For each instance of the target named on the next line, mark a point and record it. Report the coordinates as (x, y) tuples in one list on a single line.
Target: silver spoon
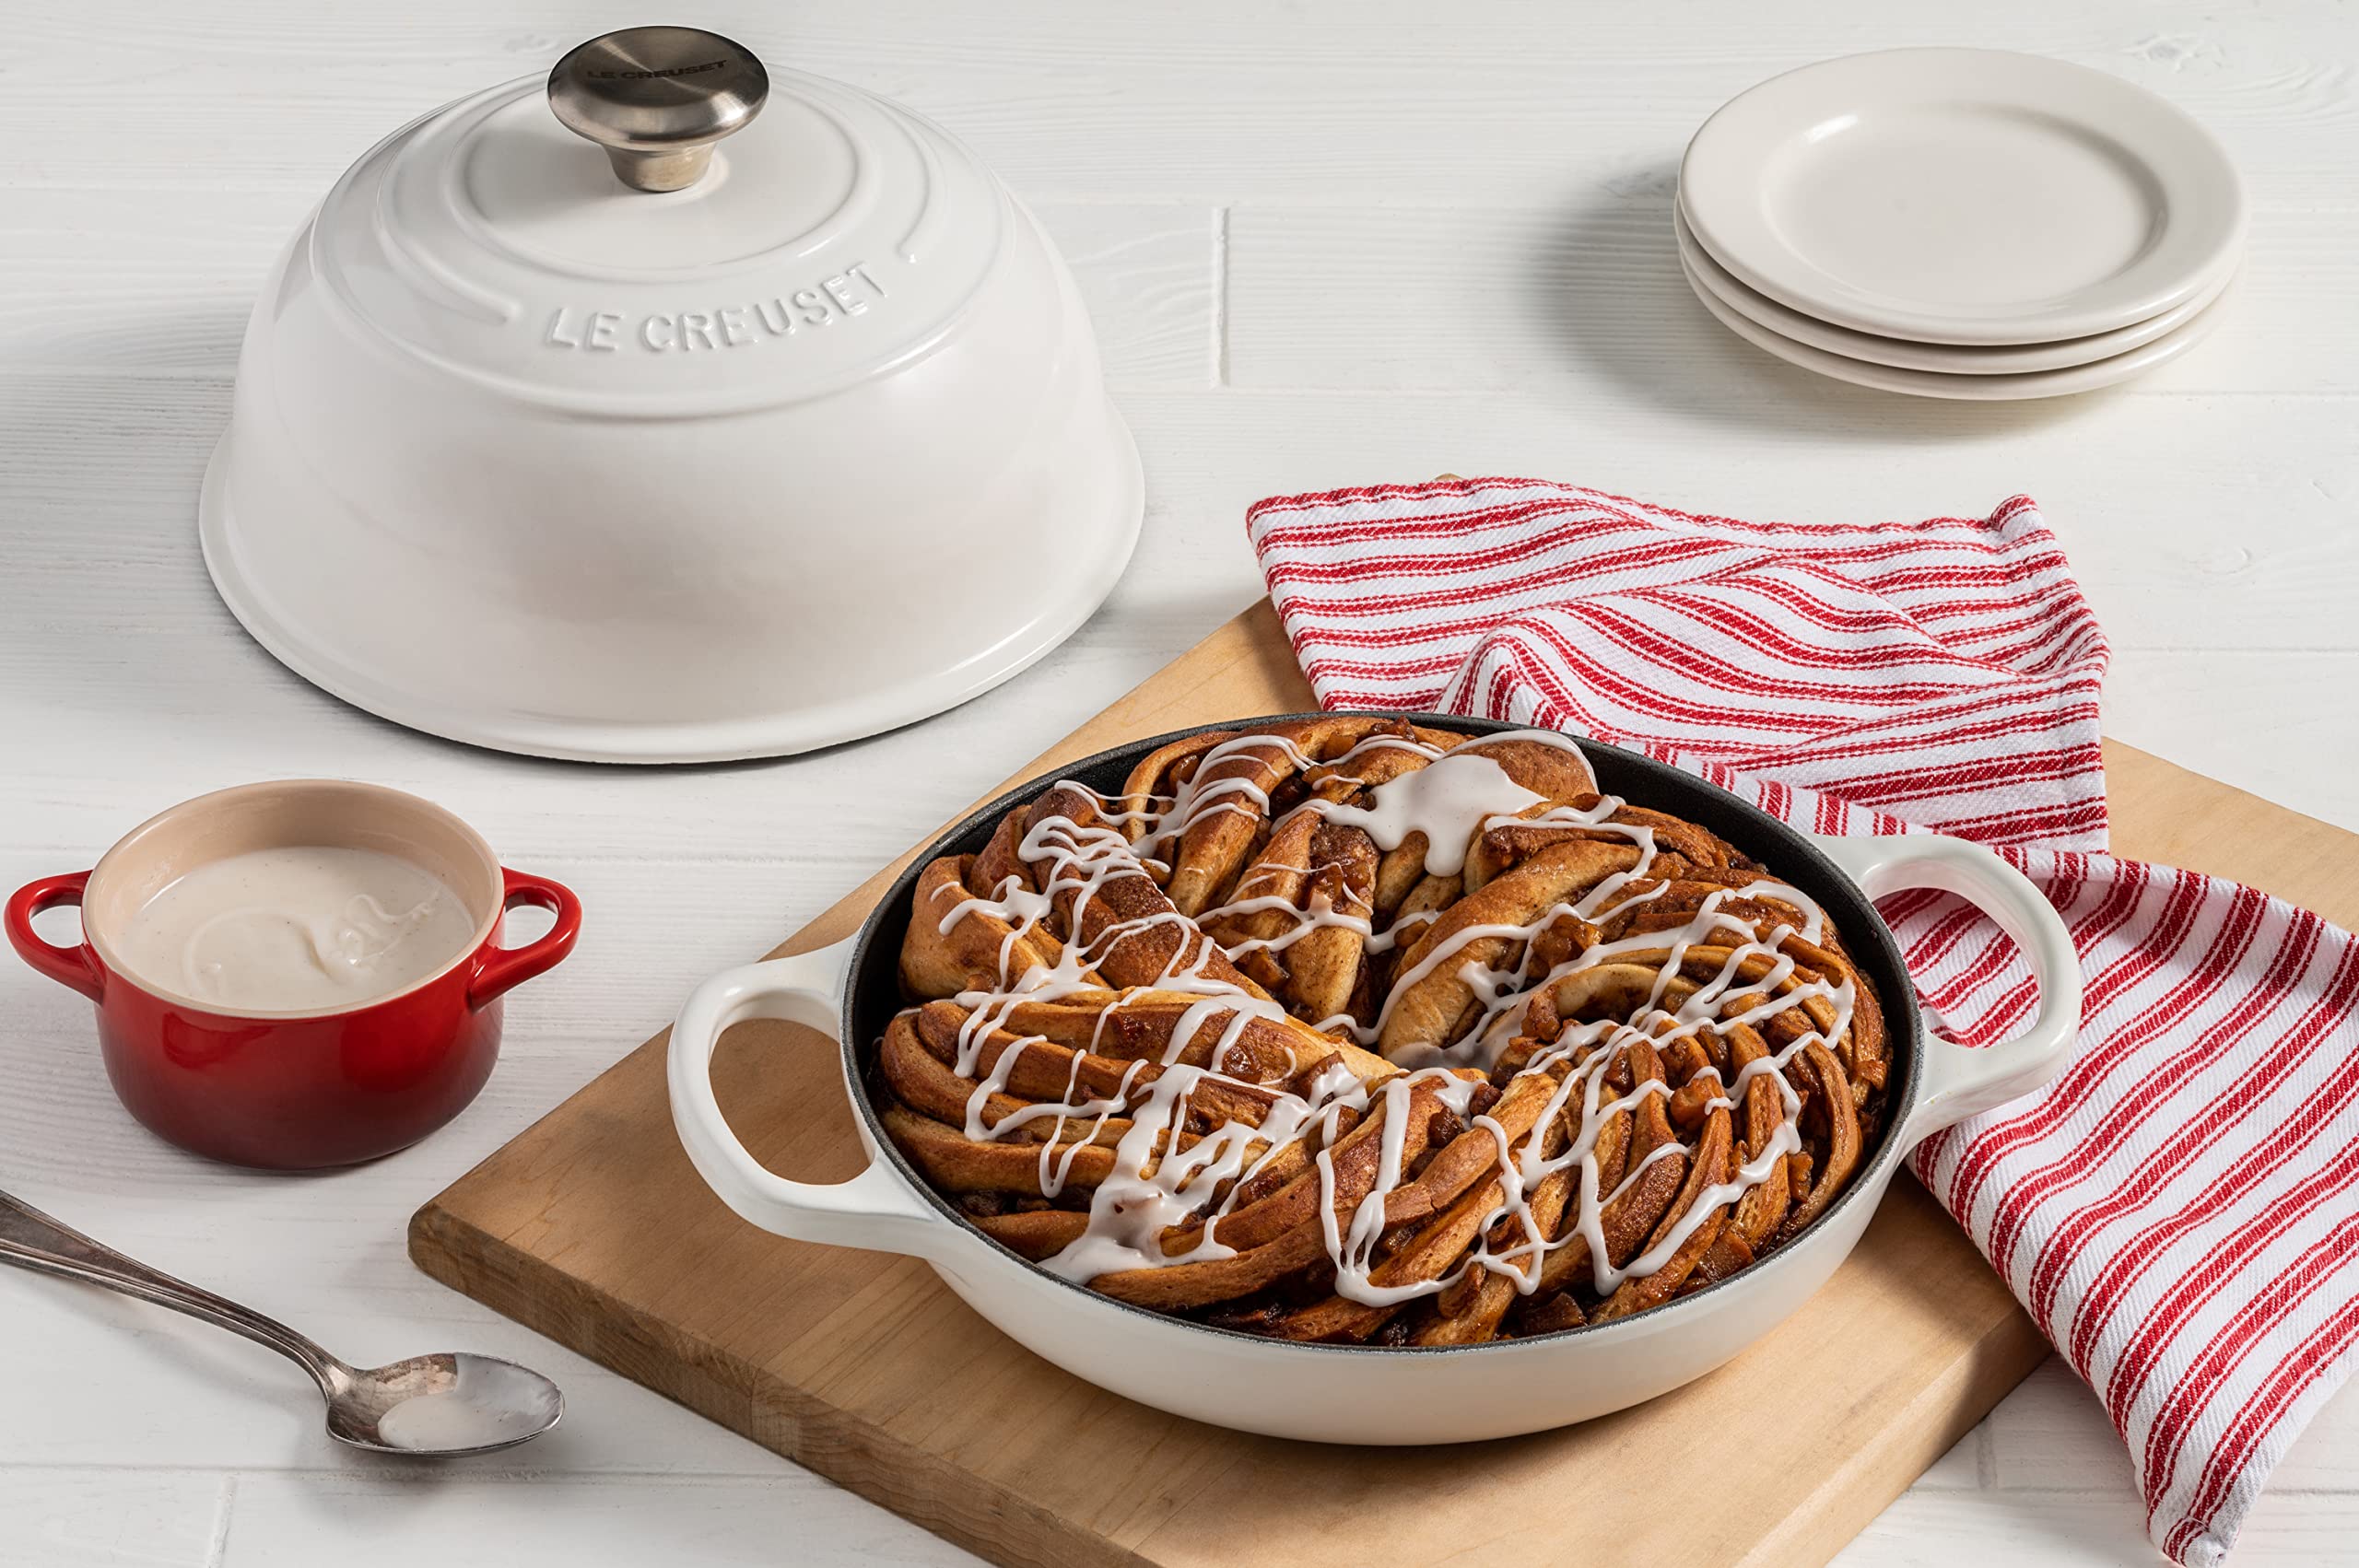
[(433, 1406)]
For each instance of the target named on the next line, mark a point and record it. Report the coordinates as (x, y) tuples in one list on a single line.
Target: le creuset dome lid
[(666, 387), (488, 241)]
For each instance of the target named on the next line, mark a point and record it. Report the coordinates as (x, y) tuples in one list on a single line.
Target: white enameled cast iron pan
[(1357, 1392)]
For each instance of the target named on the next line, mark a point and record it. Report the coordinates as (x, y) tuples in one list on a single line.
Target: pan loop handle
[(1962, 1081), (876, 1210)]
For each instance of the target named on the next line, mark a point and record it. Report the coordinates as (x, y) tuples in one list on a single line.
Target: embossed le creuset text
[(848, 293)]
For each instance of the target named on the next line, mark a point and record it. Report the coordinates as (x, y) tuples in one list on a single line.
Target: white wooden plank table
[(1325, 243)]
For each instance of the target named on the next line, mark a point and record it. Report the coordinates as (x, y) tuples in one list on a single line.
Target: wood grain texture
[(594, 1228)]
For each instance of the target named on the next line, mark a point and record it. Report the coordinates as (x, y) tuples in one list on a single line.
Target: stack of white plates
[(1960, 223)]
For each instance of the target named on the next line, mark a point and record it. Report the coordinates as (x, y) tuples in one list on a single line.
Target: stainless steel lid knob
[(657, 98)]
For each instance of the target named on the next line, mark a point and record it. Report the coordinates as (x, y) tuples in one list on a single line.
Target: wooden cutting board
[(592, 1228)]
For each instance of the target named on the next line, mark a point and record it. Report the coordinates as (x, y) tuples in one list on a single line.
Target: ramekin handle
[(67, 966), (504, 968), (873, 1209), (1961, 1080)]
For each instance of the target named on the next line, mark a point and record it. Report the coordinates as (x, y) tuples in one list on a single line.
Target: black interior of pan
[(874, 988)]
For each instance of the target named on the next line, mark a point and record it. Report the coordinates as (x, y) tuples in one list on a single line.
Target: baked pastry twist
[(1347, 1030)]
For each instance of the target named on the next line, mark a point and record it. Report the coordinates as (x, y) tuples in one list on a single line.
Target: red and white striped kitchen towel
[(2177, 1209)]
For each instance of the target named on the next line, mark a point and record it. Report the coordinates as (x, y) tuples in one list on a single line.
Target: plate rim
[(1934, 358), (2021, 387), (1719, 172)]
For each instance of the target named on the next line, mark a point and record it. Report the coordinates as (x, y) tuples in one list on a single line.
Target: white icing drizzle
[(1156, 1185), (1448, 800)]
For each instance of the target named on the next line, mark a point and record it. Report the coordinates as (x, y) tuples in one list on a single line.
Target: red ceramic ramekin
[(295, 1089)]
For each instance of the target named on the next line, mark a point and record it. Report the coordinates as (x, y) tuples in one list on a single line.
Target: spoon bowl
[(444, 1406)]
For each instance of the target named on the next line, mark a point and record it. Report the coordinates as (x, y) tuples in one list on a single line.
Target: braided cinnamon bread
[(1348, 1030)]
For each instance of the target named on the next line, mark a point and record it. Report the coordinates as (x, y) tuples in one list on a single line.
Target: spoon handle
[(31, 1239)]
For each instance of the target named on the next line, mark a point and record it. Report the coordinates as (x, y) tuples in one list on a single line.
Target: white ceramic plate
[(1948, 358), (1972, 389), (1963, 196)]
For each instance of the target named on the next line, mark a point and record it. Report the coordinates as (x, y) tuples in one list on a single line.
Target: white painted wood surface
[(1327, 242)]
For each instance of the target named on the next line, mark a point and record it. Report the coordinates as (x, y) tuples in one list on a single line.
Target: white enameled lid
[(831, 236), (665, 409)]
